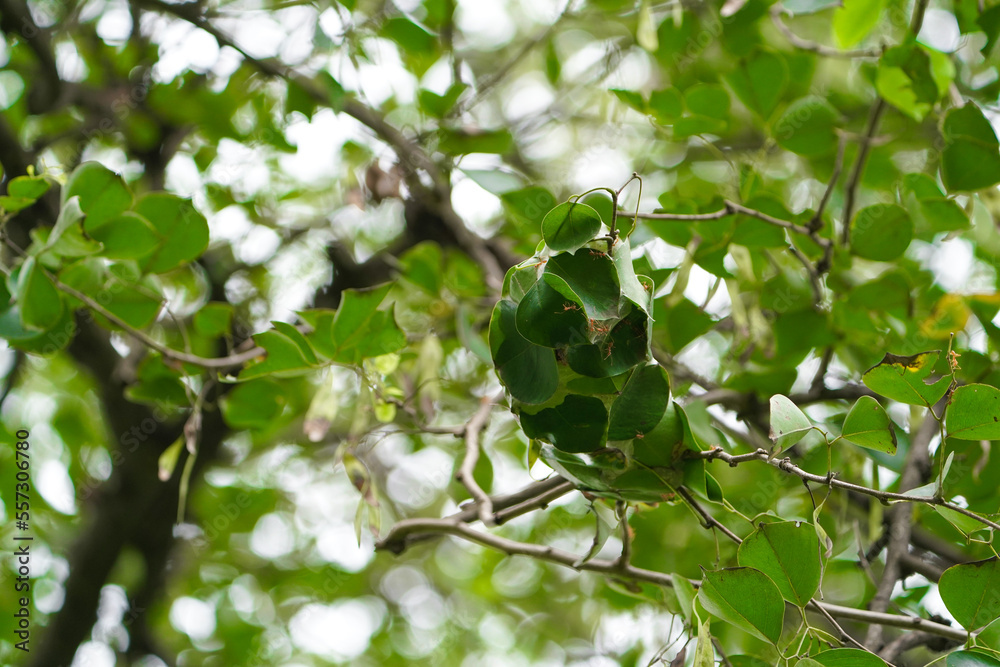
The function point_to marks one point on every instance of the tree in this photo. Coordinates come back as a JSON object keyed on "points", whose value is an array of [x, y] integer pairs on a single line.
{"points": [[424, 332]]}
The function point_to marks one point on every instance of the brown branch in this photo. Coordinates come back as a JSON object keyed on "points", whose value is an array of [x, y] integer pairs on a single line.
{"points": [[412, 157], [615, 568], [506, 507], [708, 521], [732, 208], [205, 362], [900, 524], [851, 189], [820, 49], [785, 465], [473, 428]]}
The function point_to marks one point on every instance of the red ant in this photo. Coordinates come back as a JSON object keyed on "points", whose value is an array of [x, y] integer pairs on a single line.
{"points": [[597, 327], [570, 306], [640, 436], [607, 350], [598, 253]]}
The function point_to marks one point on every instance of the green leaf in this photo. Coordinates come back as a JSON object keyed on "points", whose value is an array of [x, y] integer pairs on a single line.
{"points": [[528, 206], [439, 105], [461, 142], [569, 226], [788, 423], [867, 425], [136, 303], [745, 597], [70, 216], [408, 34], [971, 592], [971, 659], [663, 445], [593, 279], [632, 287], [28, 187], [126, 236], [690, 126], [906, 81], [760, 81], [704, 653], [971, 157], [630, 98], [528, 371], [626, 345], [848, 657], [607, 522], [707, 99], [213, 319], [641, 404], [168, 459], [38, 299], [747, 661], [15, 204], [932, 212], [677, 326], [962, 522], [903, 379], [157, 385], [989, 21], [288, 353], [666, 105], [808, 127], [103, 194], [335, 94], [974, 413], [855, 19], [685, 595], [495, 181], [881, 232], [253, 404], [550, 314], [358, 329], [788, 553], [184, 229], [578, 424]]}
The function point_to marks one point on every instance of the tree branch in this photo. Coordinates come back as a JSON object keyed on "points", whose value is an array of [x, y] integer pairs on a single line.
{"points": [[412, 157], [615, 568], [785, 465], [851, 189], [732, 208], [820, 49], [900, 524], [472, 430]]}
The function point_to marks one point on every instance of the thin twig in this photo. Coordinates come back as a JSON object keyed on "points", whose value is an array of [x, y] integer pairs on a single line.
{"points": [[732, 208], [411, 156], [501, 72], [621, 510], [205, 362], [708, 520], [819, 380], [812, 271], [851, 189], [465, 475], [785, 465], [838, 165], [806, 45], [843, 633], [613, 567]]}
